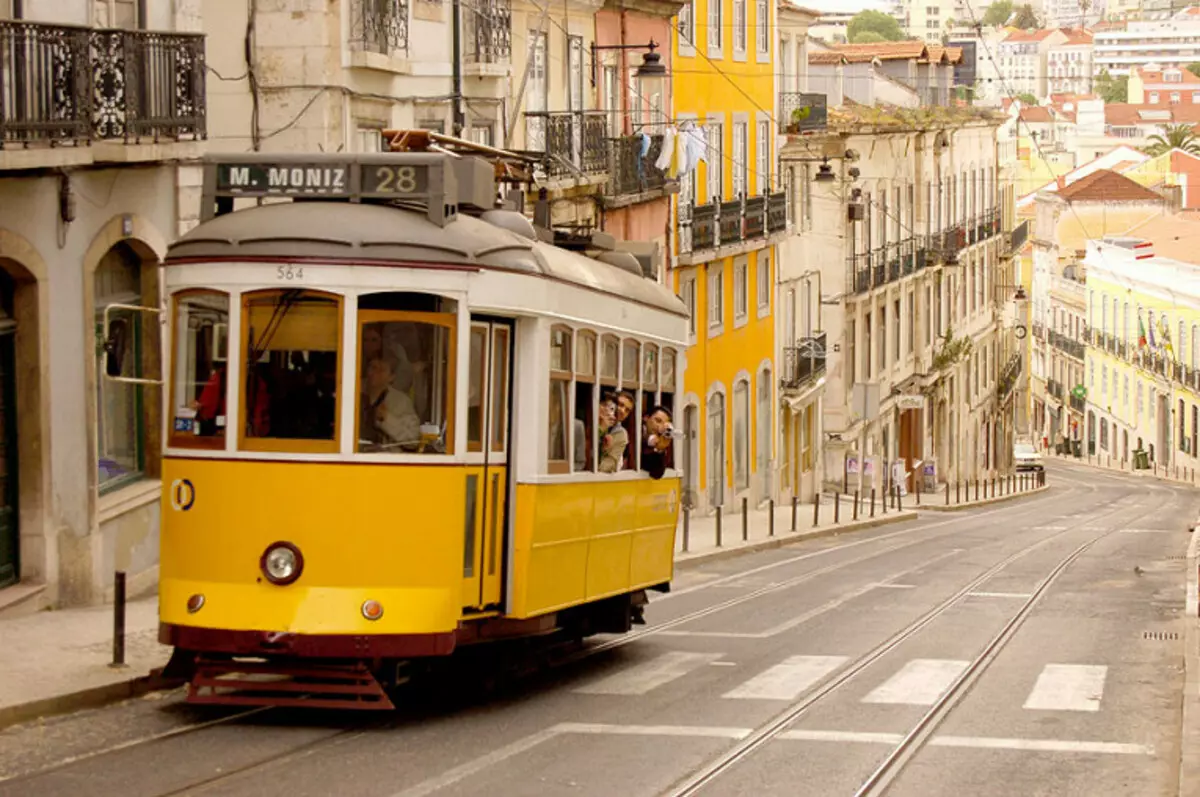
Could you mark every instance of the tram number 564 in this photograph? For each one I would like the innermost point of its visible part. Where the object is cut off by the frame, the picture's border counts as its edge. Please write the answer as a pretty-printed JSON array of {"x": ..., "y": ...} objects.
[{"x": 289, "y": 273}]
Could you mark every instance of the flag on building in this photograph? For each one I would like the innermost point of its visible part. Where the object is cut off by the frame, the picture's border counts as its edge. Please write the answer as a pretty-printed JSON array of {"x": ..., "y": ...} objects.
[
  {"x": 1150, "y": 333},
  {"x": 1141, "y": 332},
  {"x": 1164, "y": 328}
]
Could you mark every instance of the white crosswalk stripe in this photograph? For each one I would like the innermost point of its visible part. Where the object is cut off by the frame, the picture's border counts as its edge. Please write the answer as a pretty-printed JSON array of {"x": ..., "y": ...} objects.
[
  {"x": 1068, "y": 687},
  {"x": 786, "y": 681},
  {"x": 920, "y": 682},
  {"x": 641, "y": 678}
]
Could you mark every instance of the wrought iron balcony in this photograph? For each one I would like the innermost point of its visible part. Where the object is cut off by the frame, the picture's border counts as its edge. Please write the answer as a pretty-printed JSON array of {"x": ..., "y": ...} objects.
[
  {"x": 1039, "y": 330},
  {"x": 800, "y": 112},
  {"x": 488, "y": 32},
  {"x": 1055, "y": 388},
  {"x": 379, "y": 26},
  {"x": 1009, "y": 377},
  {"x": 573, "y": 143},
  {"x": 1078, "y": 403},
  {"x": 734, "y": 221},
  {"x": 61, "y": 84},
  {"x": 1067, "y": 345},
  {"x": 803, "y": 362},
  {"x": 858, "y": 272},
  {"x": 1017, "y": 238},
  {"x": 630, "y": 172},
  {"x": 892, "y": 256}
]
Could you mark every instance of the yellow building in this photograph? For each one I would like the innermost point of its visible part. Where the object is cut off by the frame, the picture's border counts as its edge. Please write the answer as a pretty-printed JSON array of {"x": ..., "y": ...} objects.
[
  {"x": 730, "y": 213},
  {"x": 1143, "y": 359}
]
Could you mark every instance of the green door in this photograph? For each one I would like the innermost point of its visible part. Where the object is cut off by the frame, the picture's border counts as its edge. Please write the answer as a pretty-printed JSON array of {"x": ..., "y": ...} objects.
[{"x": 8, "y": 442}]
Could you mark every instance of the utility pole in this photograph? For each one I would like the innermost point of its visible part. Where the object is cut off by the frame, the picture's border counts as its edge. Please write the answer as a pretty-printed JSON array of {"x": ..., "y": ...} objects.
[{"x": 458, "y": 120}]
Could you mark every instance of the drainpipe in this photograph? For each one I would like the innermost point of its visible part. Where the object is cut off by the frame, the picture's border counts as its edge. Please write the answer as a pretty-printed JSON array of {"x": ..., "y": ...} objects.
[{"x": 458, "y": 121}]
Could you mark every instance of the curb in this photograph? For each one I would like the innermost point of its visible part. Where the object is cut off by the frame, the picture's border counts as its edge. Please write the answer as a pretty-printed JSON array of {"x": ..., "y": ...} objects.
[
  {"x": 94, "y": 697},
  {"x": 983, "y": 501},
  {"x": 1189, "y": 764},
  {"x": 1138, "y": 474},
  {"x": 789, "y": 537}
]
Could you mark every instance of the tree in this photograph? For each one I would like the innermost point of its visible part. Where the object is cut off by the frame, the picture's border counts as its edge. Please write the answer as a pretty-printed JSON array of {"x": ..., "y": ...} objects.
[
  {"x": 869, "y": 37},
  {"x": 1181, "y": 136},
  {"x": 877, "y": 22},
  {"x": 1194, "y": 68},
  {"x": 998, "y": 13},
  {"x": 1112, "y": 89},
  {"x": 1026, "y": 18},
  {"x": 1027, "y": 99}
]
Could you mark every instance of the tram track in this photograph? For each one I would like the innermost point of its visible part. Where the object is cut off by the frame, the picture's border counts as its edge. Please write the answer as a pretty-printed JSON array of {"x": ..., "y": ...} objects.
[
  {"x": 547, "y": 662},
  {"x": 877, "y": 783}
]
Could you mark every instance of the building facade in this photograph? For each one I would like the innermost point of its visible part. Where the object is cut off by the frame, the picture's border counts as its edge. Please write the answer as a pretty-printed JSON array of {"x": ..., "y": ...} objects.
[
  {"x": 1022, "y": 57},
  {"x": 731, "y": 213},
  {"x": 1069, "y": 64},
  {"x": 1166, "y": 44},
  {"x": 92, "y": 191}
]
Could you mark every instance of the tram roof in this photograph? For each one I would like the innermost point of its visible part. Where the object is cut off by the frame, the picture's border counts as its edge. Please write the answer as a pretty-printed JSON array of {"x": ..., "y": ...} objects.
[{"x": 373, "y": 234}]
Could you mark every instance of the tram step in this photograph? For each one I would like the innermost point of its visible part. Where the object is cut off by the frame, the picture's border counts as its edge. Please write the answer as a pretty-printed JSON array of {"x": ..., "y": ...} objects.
[{"x": 275, "y": 683}]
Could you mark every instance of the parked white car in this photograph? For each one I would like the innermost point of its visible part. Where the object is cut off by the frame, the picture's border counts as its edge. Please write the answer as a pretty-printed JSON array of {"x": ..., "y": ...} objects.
[{"x": 1027, "y": 458}]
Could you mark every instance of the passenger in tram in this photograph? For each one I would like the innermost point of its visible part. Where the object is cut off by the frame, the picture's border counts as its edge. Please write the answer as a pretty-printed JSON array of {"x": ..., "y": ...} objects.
[
  {"x": 380, "y": 340},
  {"x": 615, "y": 440},
  {"x": 211, "y": 404},
  {"x": 656, "y": 445},
  {"x": 387, "y": 416}
]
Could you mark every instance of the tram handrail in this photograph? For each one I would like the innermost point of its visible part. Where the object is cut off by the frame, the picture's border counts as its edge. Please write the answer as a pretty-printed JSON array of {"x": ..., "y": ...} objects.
[{"x": 108, "y": 343}]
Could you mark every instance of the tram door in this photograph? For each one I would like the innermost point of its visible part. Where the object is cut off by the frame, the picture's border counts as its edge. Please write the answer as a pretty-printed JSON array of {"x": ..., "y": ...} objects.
[{"x": 488, "y": 422}]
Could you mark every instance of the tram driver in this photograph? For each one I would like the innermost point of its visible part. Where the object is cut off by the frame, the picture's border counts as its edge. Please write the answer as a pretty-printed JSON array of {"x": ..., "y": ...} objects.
[{"x": 387, "y": 416}]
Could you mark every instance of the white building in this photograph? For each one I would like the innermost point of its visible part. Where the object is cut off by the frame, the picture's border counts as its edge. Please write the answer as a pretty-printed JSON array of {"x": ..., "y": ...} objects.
[
  {"x": 1173, "y": 43},
  {"x": 1070, "y": 13},
  {"x": 1069, "y": 64},
  {"x": 905, "y": 233},
  {"x": 92, "y": 194},
  {"x": 1022, "y": 57}
]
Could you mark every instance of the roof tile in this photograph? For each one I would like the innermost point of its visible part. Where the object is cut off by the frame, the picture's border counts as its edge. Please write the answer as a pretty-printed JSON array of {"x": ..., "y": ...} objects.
[{"x": 1105, "y": 185}]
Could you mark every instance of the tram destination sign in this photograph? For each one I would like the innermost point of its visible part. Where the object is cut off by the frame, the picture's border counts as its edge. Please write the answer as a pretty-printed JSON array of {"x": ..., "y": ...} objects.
[{"x": 383, "y": 180}]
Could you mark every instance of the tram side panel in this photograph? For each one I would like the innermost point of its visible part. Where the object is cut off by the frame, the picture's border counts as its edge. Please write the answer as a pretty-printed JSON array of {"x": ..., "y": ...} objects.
[
  {"x": 366, "y": 532},
  {"x": 581, "y": 542}
]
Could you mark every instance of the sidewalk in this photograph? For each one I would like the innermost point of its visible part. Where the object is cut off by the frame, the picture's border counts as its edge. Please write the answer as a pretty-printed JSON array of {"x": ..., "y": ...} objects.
[
  {"x": 1104, "y": 462},
  {"x": 53, "y": 662}
]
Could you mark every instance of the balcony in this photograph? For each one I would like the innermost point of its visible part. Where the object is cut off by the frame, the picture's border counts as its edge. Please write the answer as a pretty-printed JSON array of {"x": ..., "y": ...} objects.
[
  {"x": 379, "y": 26},
  {"x": 487, "y": 39},
  {"x": 572, "y": 143},
  {"x": 729, "y": 223},
  {"x": 858, "y": 273},
  {"x": 65, "y": 89},
  {"x": 1055, "y": 388},
  {"x": 1078, "y": 403},
  {"x": 800, "y": 112},
  {"x": 1039, "y": 330},
  {"x": 1068, "y": 346},
  {"x": 630, "y": 173},
  {"x": 804, "y": 362},
  {"x": 1009, "y": 377},
  {"x": 1016, "y": 239}
]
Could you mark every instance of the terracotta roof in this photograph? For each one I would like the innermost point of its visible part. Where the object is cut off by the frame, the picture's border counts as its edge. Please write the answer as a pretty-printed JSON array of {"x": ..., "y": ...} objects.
[
  {"x": 1124, "y": 114},
  {"x": 1018, "y": 36},
  {"x": 826, "y": 57},
  {"x": 884, "y": 51},
  {"x": 955, "y": 54},
  {"x": 1036, "y": 114},
  {"x": 1105, "y": 185},
  {"x": 1076, "y": 36},
  {"x": 1156, "y": 77},
  {"x": 1172, "y": 236}
]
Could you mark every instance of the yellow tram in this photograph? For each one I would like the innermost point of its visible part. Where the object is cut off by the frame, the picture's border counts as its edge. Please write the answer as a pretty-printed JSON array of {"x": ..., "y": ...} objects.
[{"x": 387, "y": 428}]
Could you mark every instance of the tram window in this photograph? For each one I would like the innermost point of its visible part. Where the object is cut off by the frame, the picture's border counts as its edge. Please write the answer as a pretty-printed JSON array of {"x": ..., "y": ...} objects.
[
  {"x": 559, "y": 408},
  {"x": 499, "y": 389},
  {"x": 477, "y": 388},
  {"x": 406, "y": 382},
  {"x": 585, "y": 400},
  {"x": 291, "y": 356},
  {"x": 201, "y": 351},
  {"x": 627, "y": 400},
  {"x": 629, "y": 364},
  {"x": 609, "y": 355},
  {"x": 650, "y": 368},
  {"x": 668, "y": 373}
]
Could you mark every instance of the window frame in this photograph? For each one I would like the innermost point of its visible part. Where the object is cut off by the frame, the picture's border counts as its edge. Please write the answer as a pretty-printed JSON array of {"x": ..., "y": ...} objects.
[
  {"x": 556, "y": 466},
  {"x": 762, "y": 44},
  {"x": 715, "y": 275},
  {"x": 740, "y": 485},
  {"x": 142, "y": 452},
  {"x": 741, "y": 291},
  {"x": 686, "y": 29},
  {"x": 714, "y": 36},
  {"x": 741, "y": 158},
  {"x": 177, "y": 439},
  {"x": 762, "y": 283},
  {"x": 485, "y": 364},
  {"x": 741, "y": 29}
]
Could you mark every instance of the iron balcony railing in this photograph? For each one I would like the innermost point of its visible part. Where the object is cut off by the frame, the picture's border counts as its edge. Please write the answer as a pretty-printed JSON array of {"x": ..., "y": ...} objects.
[
  {"x": 715, "y": 224},
  {"x": 379, "y": 26},
  {"x": 803, "y": 362},
  {"x": 60, "y": 83},
  {"x": 1017, "y": 238},
  {"x": 488, "y": 32},
  {"x": 1009, "y": 376},
  {"x": 573, "y": 143},
  {"x": 1039, "y": 330},
  {"x": 1055, "y": 388},
  {"x": 631, "y": 172},
  {"x": 1078, "y": 403},
  {"x": 800, "y": 112},
  {"x": 1065, "y": 344},
  {"x": 858, "y": 272}
]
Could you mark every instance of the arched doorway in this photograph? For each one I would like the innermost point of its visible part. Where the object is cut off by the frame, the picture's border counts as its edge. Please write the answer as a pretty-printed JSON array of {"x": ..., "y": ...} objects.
[{"x": 9, "y": 532}]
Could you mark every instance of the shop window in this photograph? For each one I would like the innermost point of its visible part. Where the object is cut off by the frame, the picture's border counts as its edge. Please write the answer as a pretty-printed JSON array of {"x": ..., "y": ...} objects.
[{"x": 200, "y": 346}]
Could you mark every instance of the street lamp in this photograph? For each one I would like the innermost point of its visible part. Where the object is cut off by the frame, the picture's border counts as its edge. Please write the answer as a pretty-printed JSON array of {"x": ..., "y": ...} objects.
[{"x": 652, "y": 66}]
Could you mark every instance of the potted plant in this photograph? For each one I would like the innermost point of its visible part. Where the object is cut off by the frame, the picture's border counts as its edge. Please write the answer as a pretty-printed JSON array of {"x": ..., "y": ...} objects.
[{"x": 798, "y": 117}]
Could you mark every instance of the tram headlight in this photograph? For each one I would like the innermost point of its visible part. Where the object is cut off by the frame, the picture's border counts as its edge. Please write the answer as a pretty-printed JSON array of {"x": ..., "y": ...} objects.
[{"x": 282, "y": 563}]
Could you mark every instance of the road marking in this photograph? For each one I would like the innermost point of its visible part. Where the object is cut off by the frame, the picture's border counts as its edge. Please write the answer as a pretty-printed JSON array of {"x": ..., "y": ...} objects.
[
  {"x": 974, "y": 742},
  {"x": 695, "y": 731},
  {"x": 920, "y": 682},
  {"x": 722, "y": 664},
  {"x": 1068, "y": 687},
  {"x": 787, "y": 680},
  {"x": 1023, "y": 595},
  {"x": 477, "y": 765},
  {"x": 895, "y": 586},
  {"x": 841, "y": 736},
  {"x": 1049, "y": 528},
  {"x": 641, "y": 678},
  {"x": 1146, "y": 531}
]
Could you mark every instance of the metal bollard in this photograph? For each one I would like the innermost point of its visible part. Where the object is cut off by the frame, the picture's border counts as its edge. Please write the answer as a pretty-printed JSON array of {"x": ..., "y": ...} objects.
[
  {"x": 917, "y": 484},
  {"x": 993, "y": 487},
  {"x": 899, "y": 502},
  {"x": 816, "y": 509},
  {"x": 687, "y": 520},
  {"x": 837, "y": 508},
  {"x": 118, "y": 659},
  {"x": 957, "y": 495},
  {"x": 795, "y": 501},
  {"x": 976, "y": 488},
  {"x": 745, "y": 519},
  {"x": 771, "y": 522},
  {"x": 718, "y": 527},
  {"x": 855, "y": 505},
  {"x": 886, "y": 498},
  {"x": 872, "y": 502}
]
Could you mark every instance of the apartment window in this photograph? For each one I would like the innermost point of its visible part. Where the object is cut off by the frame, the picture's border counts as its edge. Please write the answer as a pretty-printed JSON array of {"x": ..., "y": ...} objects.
[
  {"x": 715, "y": 161},
  {"x": 1104, "y": 380},
  {"x": 763, "y": 157},
  {"x": 370, "y": 139},
  {"x": 687, "y": 292},
  {"x": 687, "y": 25},
  {"x": 764, "y": 30},
  {"x": 716, "y": 449},
  {"x": 1181, "y": 353},
  {"x": 896, "y": 330},
  {"x": 714, "y": 27},
  {"x": 432, "y": 125},
  {"x": 741, "y": 159},
  {"x": 882, "y": 337},
  {"x": 1196, "y": 98},
  {"x": 1140, "y": 400},
  {"x": 764, "y": 282},
  {"x": 1174, "y": 97},
  {"x": 481, "y": 134},
  {"x": 612, "y": 100},
  {"x": 763, "y": 421},
  {"x": 1125, "y": 392},
  {"x": 537, "y": 96},
  {"x": 739, "y": 26},
  {"x": 741, "y": 288},
  {"x": 741, "y": 435},
  {"x": 1154, "y": 98},
  {"x": 716, "y": 297}
]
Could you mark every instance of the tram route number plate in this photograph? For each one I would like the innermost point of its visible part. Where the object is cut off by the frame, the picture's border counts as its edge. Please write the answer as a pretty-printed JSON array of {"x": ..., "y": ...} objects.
[{"x": 398, "y": 180}]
